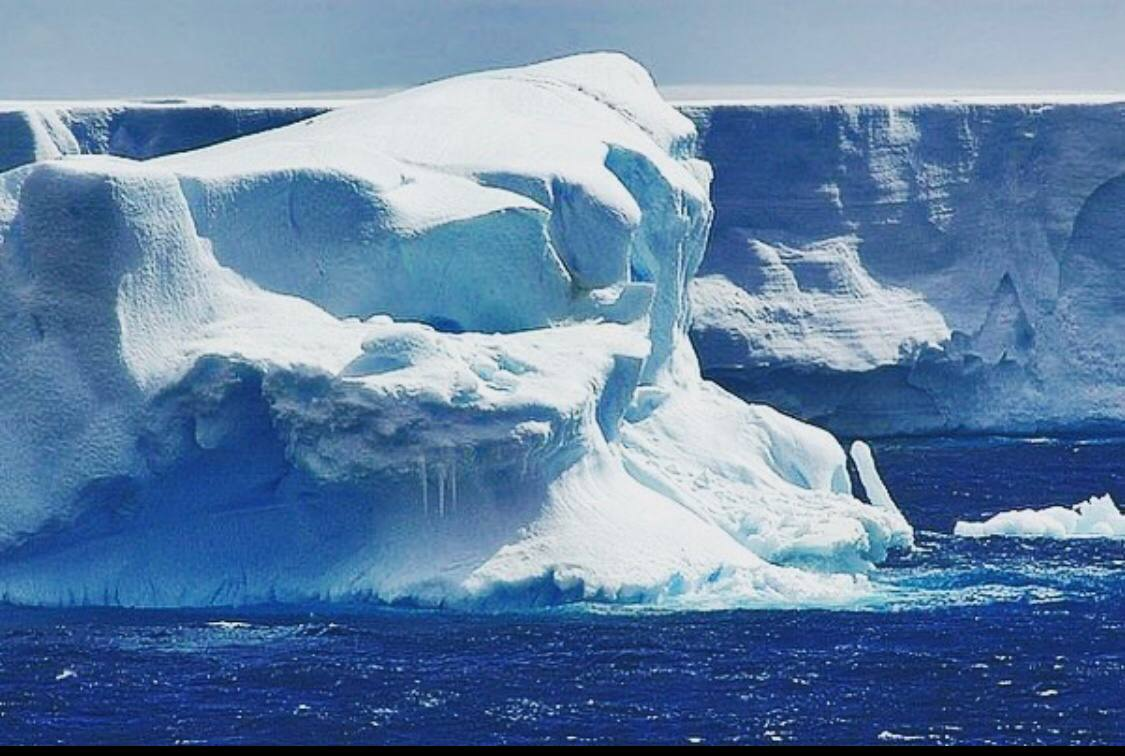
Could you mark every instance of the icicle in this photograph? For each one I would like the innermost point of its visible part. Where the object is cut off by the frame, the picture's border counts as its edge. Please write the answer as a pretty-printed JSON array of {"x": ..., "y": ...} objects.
[
  {"x": 453, "y": 484},
  {"x": 425, "y": 489},
  {"x": 441, "y": 490}
]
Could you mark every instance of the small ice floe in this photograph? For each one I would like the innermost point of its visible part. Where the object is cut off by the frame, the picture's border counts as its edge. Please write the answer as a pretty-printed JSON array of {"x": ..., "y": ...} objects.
[
  {"x": 66, "y": 674},
  {"x": 888, "y": 736},
  {"x": 1097, "y": 517},
  {"x": 228, "y": 625}
]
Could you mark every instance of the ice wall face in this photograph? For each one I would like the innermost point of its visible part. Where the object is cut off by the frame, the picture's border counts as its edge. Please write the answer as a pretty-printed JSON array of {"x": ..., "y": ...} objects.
[
  {"x": 140, "y": 130},
  {"x": 30, "y": 135},
  {"x": 987, "y": 230},
  {"x": 429, "y": 349}
]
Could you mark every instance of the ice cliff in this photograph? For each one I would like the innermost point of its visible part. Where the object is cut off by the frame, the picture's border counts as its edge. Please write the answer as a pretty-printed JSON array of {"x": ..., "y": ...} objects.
[
  {"x": 431, "y": 348},
  {"x": 915, "y": 267},
  {"x": 38, "y": 131}
]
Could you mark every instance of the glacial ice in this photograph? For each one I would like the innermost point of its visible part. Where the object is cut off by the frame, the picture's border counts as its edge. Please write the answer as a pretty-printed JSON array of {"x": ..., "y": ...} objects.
[
  {"x": 912, "y": 266},
  {"x": 815, "y": 306},
  {"x": 1097, "y": 517},
  {"x": 428, "y": 349},
  {"x": 140, "y": 130},
  {"x": 30, "y": 135},
  {"x": 899, "y": 266}
]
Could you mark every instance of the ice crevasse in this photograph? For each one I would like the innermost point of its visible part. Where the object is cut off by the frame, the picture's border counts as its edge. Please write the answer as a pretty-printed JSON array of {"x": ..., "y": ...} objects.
[{"x": 427, "y": 349}]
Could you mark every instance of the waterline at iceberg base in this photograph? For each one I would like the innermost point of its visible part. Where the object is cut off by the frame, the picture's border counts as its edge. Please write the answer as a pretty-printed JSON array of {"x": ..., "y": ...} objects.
[
  {"x": 429, "y": 349},
  {"x": 981, "y": 640}
]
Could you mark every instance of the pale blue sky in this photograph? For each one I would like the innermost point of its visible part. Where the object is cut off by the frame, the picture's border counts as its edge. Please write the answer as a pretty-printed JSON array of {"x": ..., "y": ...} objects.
[{"x": 112, "y": 48}]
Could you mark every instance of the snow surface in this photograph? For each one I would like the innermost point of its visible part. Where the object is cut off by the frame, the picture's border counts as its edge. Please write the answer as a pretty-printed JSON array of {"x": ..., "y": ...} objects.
[
  {"x": 1097, "y": 517},
  {"x": 430, "y": 349},
  {"x": 917, "y": 266}
]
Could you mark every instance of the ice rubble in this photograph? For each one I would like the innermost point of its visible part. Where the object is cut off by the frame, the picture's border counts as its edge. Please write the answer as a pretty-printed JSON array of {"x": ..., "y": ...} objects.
[
  {"x": 431, "y": 349},
  {"x": 1097, "y": 517},
  {"x": 910, "y": 266}
]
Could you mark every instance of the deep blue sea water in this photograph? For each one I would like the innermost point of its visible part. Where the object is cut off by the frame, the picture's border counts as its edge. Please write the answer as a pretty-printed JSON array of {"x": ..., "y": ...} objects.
[{"x": 994, "y": 641}]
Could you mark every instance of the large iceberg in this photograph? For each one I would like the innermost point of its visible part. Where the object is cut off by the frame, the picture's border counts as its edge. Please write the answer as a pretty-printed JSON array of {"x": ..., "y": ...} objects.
[
  {"x": 431, "y": 348},
  {"x": 907, "y": 266}
]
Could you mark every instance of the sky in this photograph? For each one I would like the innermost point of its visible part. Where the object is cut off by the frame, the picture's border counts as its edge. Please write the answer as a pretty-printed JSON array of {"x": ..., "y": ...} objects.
[{"x": 64, "y": 49}]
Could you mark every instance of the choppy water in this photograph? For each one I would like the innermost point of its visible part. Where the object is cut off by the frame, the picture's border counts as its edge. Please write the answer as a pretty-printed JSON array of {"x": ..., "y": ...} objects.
[{"x": 999, "y": 640}]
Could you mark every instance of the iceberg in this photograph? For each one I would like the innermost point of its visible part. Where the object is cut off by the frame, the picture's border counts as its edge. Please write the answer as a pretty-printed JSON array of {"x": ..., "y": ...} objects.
[
  {"x": 917, "y": 266},
  {"x": 1097, "y": 517},
  {"x": 429, "y": 349}
]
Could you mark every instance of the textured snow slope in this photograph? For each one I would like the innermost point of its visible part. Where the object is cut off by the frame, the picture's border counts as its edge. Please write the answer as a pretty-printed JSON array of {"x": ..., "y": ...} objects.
[
  {"x": 430, "y": 349},
  {"x": 848, "y": 236}
]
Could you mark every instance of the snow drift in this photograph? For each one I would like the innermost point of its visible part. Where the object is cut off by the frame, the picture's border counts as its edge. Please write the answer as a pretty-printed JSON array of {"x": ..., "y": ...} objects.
[
  {"x": 429, "y": 349},
  {"x": 916, "y": 267},
  {"x": 1097, "y": 517}
]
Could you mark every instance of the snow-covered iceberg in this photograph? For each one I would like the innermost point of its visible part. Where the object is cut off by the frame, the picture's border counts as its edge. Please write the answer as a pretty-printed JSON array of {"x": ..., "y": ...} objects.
[
  {"x": 1097, "y": 517},
  {"x": 431, "y": 348},
  {"x": 909, "y": 266}
]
